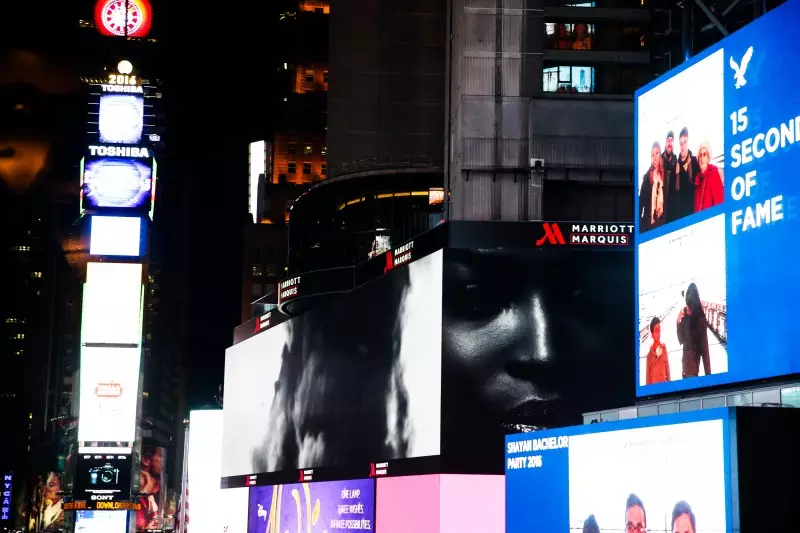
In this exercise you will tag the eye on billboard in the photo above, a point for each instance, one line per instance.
(716, 214)
(112, 299)
(117, 182)
(123, 18)
(629, 475)
(115, 236)
(109, 385)
(121, 118)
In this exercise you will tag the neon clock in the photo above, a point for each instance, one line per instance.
(123, 18)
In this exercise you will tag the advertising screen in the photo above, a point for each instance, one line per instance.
(323, 506)
(109, 384)
(121, 118)
(112, 301)
(235, 502)
(102, 478)
(354, 381)
(119, 236)
(656, 474)
(205, 466)
(152, 486)
(531, 337)
(117, 182)
(101, 522)
(123, 18)
(716, 214)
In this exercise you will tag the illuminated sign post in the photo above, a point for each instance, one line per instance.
(716, 214)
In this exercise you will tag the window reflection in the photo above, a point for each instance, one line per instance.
(568, 80)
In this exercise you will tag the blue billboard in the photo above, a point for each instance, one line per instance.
(717, 213)
(647, 474)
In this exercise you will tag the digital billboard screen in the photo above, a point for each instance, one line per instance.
(112, 304)
(123, 18)
(101, 522)
(116, 236)
(121, 118)
(117, 182)
(102, 478)
(354, 381)
(321, 506)
(109, 385)
(716, 214)
(653, 474)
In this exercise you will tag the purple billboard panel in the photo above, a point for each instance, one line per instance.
(325, 506)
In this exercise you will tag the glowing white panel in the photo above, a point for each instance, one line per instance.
(115, 236)
(112, 304)
(121, 118)
(204, 473)
(109, 385)
(101, 522)
(258, 166)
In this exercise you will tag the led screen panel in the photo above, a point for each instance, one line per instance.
(205, 466)
(235, 502)
(114, 182)
(109, 384)
(374, 359)
(102, 477)
(646, 473)
(121, 118)
(116, 236)
(714, 214)
(112, 299)
(258, 170)
(333, 506)
(101, 522)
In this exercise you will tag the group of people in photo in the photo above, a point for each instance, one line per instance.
(677, 185)
(683, 519)
(692, 331)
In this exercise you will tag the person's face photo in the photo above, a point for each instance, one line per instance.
(683, 524)
(703, 159)
(655, 155)
(656, 332)
(684, 143)
(156, 462)
(53, 487)
(634, 520)
(670, 145)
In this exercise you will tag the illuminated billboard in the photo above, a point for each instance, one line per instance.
(115, 236)
(6, 507)
(636, 475)
(121, 118)
(374, 356)
(112, 298)
(102, 477)
(117, 182)
(123, 18)
(109, 385)
(101, 522)
(714, 223)
(258, 175)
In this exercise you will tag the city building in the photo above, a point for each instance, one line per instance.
(384, 134)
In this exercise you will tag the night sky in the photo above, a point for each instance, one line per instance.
(215, 68)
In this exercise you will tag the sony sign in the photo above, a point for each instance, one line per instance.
(118, 151)
(5, 503)
(102, 497)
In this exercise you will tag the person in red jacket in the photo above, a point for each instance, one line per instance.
(657, 361)
(708, 189)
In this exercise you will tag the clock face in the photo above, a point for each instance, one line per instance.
(129, 18)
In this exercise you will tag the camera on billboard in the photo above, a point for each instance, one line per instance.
(104, 475)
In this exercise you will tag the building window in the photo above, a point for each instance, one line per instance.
(306, 168)
(291, 148)
(324, 169)
(292, 167)
(271, 271)
(325, 76)
(309, 76)
(36, 275)
(308, 149)
(257, 271)
(568, 80)
(256, 291)
(324, 152)
(569, 36)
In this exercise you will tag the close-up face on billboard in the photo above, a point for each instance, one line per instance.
(716, 214)
(531, 337)
(355, 381)
(626, 476)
